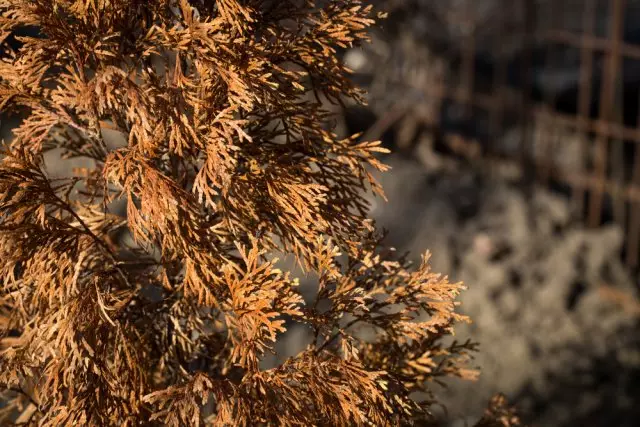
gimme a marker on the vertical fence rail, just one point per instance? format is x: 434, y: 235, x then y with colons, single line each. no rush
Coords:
x: 467, y: 78
x: 549, y: 135
x: 606, y: 105
x: 528, y: 20
x: 633, y: 233
x: 584, y: 94
x: 498, y: 83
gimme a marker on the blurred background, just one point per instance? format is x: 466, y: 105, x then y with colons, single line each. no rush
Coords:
x: 515, y: 132
x: 514, y: 126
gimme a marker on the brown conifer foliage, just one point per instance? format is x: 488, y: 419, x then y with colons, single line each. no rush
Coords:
x: 226, y: 161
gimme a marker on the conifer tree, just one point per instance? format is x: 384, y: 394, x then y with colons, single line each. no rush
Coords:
x: 226, y: 162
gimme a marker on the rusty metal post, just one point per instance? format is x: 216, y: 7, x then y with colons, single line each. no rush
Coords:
x: 527, y: 141
x: 584, y: 94
x: 499, y: 81
x: 633, y: 234
x: 549, y: 132
x: 606, y: 106
x: 468, y: 59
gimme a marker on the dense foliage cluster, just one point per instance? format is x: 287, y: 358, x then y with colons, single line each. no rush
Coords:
x: 226, y: 161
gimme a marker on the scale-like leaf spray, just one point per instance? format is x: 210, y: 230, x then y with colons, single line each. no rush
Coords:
x: 162, y: 312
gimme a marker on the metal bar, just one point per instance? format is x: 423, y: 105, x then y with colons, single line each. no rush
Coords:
x: 499, y: 82
x: 582, y: 180
x: 468, y: 59
x: 617, y: 156
x: 590, y: 42
x: 586, y: 182
x: 606, y: 104
x: 633, y: 233
x: 489, y: 103
x: 600, y: 127
x: 547, y: 139
x: 584, y: 94
x: 631, y: 193
x: 527, y: 142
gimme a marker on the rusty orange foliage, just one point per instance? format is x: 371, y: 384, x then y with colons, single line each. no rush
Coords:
x: 225, y: 160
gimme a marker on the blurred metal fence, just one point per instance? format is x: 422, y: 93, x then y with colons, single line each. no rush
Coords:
x: 553, y: 75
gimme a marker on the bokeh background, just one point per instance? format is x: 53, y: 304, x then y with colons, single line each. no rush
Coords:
x: 514, y: 130
x: 516, y: 162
